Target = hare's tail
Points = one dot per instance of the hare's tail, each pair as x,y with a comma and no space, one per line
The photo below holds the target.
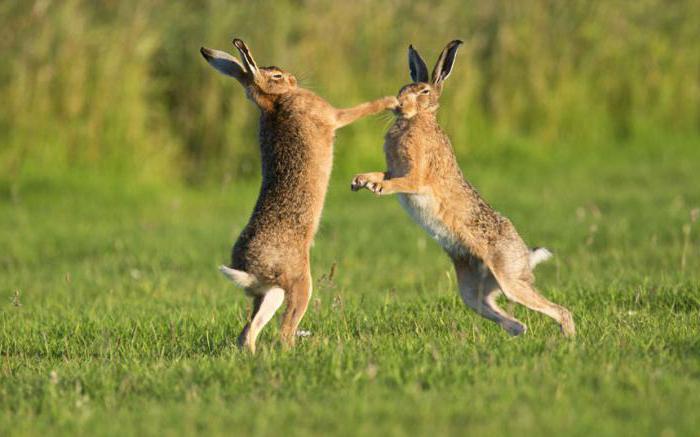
538,255
239,277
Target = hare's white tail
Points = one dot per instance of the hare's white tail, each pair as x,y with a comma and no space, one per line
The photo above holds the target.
538,255
239,277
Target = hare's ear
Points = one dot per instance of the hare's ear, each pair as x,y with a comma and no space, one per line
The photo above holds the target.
444,64
419,71
246,56
224,62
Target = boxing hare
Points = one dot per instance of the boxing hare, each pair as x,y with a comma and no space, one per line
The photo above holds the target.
488,254
270,259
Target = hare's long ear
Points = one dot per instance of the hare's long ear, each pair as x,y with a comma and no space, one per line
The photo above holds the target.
224,63
246,56
419,71
444,64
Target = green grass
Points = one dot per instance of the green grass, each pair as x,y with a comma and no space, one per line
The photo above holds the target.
120,85
114,320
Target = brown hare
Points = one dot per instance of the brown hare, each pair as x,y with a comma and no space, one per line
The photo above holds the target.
488,254
270,260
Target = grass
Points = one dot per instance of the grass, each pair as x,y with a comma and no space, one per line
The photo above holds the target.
121,84
113,319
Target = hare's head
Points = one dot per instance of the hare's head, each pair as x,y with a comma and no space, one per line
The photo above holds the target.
424,93
263,84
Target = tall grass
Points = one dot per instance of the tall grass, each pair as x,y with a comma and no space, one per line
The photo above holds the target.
119,85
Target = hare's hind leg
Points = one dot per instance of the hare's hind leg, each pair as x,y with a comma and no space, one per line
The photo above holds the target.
298,296
518,287
479,291
264,307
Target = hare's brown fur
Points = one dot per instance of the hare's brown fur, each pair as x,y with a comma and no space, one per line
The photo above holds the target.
270,259
488,253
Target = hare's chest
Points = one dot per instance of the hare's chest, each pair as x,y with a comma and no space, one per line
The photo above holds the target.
399,159
424,210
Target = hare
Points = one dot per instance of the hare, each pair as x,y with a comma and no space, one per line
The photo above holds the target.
270,259
488,254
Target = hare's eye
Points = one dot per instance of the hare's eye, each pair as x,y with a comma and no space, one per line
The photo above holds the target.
277,76
425,91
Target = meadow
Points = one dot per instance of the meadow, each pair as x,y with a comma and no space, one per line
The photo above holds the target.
115,321
128,167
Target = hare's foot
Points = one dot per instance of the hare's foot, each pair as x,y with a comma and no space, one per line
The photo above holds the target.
523,292
298,296
513,327
376,187
264,307
568,327
366,180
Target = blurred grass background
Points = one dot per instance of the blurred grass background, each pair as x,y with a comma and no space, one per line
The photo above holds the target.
119,86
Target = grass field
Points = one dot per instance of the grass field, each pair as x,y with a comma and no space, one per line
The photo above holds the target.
114,320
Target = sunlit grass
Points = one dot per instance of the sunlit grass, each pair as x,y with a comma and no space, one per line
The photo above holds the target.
114,320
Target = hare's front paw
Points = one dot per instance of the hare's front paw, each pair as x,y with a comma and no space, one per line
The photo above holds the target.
375,187
371,181
359,182
391,102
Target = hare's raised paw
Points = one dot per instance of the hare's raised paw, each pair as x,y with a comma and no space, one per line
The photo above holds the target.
375,187
358,182
372,181
390,102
